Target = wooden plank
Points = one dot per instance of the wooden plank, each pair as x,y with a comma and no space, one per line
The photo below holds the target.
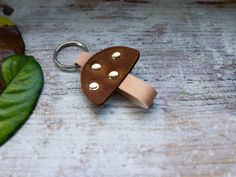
188,53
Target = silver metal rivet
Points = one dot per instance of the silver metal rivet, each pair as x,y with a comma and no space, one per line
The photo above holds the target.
93,86
113,74
96,66
115,55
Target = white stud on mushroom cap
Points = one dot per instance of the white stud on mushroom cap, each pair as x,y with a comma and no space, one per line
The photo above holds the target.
113,74
93,86
116,55
96,66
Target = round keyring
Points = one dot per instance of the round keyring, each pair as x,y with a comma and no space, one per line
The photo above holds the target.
62,46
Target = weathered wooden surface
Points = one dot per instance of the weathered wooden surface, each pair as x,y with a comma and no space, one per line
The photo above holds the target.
188,52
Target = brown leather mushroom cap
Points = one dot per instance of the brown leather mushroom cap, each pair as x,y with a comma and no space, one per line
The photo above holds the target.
96,83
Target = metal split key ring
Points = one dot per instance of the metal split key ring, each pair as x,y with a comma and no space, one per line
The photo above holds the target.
61,47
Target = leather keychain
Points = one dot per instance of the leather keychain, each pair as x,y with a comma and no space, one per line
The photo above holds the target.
108,71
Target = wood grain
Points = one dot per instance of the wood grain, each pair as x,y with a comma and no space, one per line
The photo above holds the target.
188,53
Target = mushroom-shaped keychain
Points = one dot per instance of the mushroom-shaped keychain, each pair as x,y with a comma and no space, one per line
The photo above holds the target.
108,71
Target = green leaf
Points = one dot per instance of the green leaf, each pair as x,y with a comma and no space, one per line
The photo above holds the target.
23,79
5,21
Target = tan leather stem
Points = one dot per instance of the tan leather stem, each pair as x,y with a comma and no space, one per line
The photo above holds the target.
82,59
138,91
133,88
